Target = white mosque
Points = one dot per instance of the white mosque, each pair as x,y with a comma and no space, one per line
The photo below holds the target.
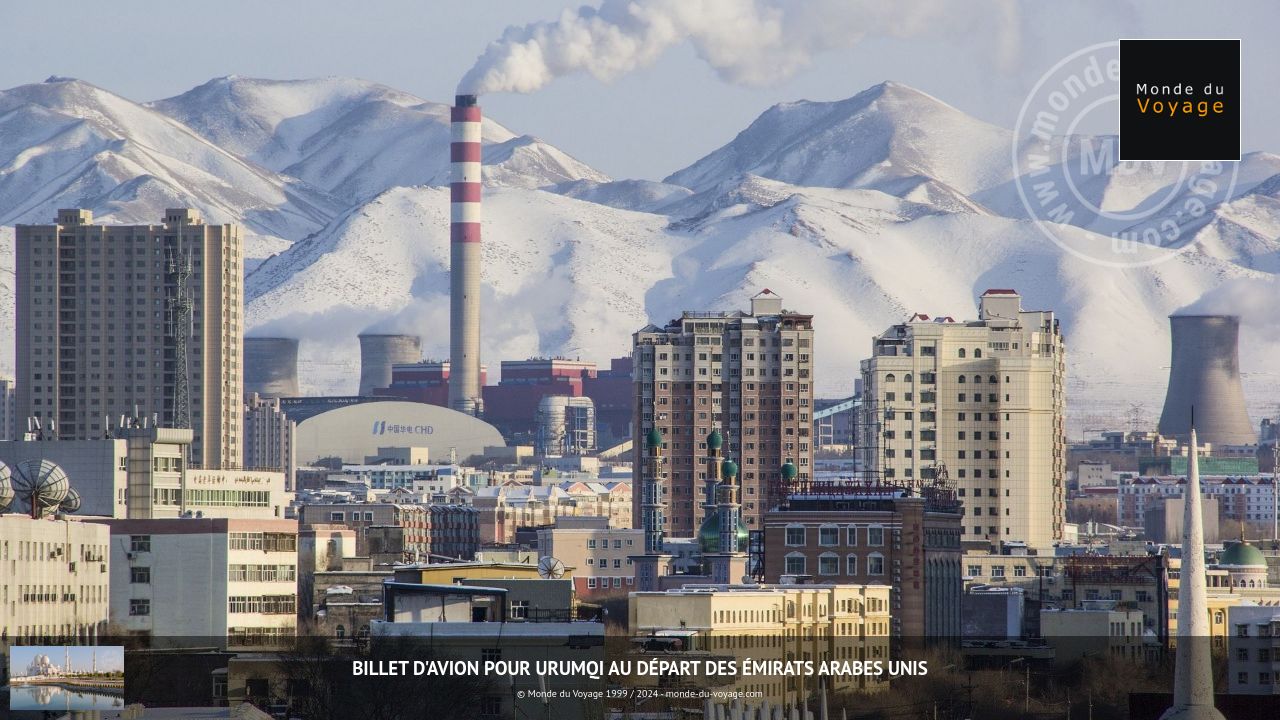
42,666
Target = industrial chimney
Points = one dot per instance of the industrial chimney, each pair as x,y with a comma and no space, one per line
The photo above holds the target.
464,258
271,366
379,352
1205,375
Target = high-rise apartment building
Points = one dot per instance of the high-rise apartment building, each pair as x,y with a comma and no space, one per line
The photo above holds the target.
983,400
98,327
747,374
268,437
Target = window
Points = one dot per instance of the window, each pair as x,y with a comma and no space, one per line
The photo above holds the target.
140,606
519,610
875,536
853,536
139,574
1242,631
975,571
851,565
997,571
794,564
139,543
795,536
875,564
1019,571
828,535
829,564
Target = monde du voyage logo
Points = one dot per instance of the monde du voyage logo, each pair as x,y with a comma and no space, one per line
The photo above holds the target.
382,427
1180,100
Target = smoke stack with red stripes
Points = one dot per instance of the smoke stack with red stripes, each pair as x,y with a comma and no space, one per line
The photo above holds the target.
464,258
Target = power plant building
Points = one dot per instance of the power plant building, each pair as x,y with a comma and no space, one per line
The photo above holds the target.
354,432
1204,381
984,400
379,353
271,366
747,374
98,314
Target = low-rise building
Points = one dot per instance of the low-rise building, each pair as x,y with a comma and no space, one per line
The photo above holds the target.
506,508
404,532
205,578
814,622
875,536
142,473
1253,661
54,580
602,558
1098,629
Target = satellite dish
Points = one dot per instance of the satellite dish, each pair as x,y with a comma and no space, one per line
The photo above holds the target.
40,486
70,503
550,568
6,488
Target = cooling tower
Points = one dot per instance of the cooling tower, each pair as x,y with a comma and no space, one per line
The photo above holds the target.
271,366
1205,375
464,257
379,352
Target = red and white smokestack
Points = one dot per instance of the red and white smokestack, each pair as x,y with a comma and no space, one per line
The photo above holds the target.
464,258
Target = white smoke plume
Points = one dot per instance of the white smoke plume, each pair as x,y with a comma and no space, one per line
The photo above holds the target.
1255,300
749,42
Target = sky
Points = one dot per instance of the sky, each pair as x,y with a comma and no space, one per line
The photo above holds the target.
109,657
645,124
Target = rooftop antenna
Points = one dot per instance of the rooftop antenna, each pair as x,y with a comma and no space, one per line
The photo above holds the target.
180,328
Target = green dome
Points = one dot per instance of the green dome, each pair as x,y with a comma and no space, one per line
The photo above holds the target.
715,440
1242,554
655,438
728,469
789,470
709,535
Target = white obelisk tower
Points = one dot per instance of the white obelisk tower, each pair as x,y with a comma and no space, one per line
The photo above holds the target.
1193,672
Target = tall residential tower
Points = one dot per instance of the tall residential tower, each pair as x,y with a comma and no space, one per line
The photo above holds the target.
983,399
98,328
748,375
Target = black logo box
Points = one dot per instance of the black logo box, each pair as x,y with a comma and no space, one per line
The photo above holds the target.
1185,65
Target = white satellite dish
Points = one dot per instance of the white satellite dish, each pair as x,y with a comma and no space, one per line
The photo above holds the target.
550,568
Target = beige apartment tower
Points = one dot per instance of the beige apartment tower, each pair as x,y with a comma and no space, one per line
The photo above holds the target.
982,400
100,320
748,375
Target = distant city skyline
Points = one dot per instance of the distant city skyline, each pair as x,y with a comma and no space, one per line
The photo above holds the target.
669,113
110,658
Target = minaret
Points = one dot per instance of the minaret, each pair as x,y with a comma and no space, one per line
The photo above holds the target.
653,517
715,441
653,564
728,508
1193,672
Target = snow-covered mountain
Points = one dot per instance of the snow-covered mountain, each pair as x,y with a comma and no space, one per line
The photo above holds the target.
860,211
356,138
66,143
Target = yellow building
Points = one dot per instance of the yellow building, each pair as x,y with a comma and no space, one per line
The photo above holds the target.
814,623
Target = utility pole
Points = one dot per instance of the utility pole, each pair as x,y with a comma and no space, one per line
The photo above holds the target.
1026,700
